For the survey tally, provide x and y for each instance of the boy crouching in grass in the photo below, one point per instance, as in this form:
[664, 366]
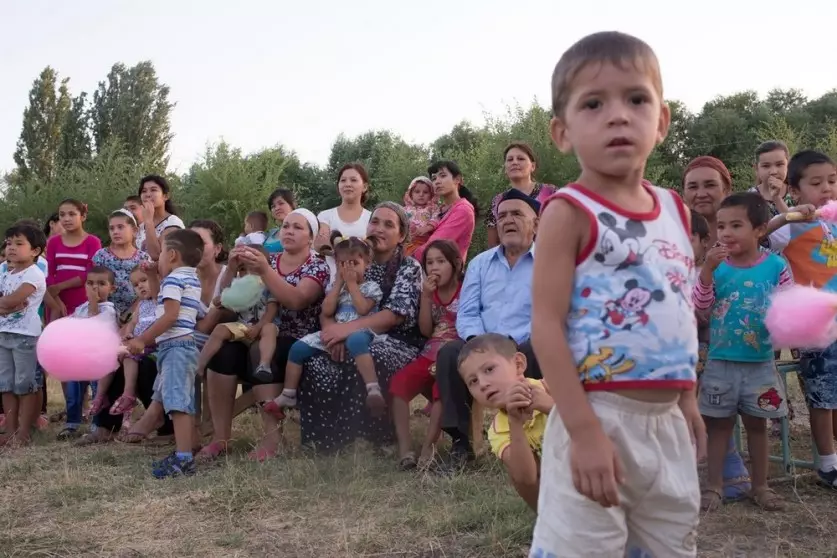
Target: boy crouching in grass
[492, 368]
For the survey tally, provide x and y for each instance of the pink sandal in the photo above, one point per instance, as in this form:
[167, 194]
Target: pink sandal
[96, 406]
[124, 404]
[212, 451]
[272, 409]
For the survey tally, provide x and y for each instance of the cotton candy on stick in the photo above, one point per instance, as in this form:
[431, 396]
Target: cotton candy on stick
[802, 317]
[244, 293]
[79, 349]
[828, 212]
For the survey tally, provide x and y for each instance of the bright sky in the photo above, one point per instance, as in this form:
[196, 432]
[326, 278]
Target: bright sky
[259, 73]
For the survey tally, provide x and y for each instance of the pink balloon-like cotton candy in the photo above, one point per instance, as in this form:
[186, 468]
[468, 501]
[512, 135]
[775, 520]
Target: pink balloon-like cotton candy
[79, 349]
[828, 212]
[802, 317]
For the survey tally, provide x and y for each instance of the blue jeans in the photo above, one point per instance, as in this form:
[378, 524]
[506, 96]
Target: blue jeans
[356, 344]
[74, 393]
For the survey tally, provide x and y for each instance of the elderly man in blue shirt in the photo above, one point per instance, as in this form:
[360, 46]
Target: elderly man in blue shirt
[496, 297]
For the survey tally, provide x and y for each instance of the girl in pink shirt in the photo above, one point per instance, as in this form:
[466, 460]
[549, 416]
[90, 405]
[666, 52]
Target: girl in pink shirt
[458, 212]
[70, 256]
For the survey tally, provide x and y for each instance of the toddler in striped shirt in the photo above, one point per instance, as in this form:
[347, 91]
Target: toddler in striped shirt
[178, 304]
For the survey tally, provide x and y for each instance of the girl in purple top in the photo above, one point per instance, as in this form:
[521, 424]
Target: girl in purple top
[520, 166]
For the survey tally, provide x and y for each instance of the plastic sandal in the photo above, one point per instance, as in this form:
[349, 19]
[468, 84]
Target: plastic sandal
[124, 404]
[273, 409]
[768, 500]
[408, 462]
[212, 451]
[711, 500]
[96, 406]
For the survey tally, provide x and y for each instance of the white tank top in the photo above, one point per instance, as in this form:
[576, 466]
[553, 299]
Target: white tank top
[631, 323]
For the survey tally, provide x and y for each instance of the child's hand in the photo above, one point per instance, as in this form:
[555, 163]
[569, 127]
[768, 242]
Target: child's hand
[807, 210]
[541, 401]
[60, 309]
[149, 266]
[135, 346]
[774, 186]
[54, 289]
[715, 256]
[431, 283]
[253, 331]
[425, 230]
[216, 302]
[350, 275]
[92, 293]
[596, 466]
[518, 401]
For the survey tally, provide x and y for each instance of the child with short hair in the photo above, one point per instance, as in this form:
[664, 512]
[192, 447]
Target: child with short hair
[143, 317]
[351, 298]
[810, 248]
[772, 172]
[437, 321]
[740, 376]
[22, 288]
[493, 370]
[177, 353]
[254, 226]
[619, 470]
[253, 324]
[422, 210]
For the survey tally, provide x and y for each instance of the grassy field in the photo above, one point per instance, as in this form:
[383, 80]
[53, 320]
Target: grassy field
[58, 500]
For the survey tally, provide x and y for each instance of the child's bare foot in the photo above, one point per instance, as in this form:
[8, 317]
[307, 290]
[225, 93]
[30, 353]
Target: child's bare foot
[375, 400]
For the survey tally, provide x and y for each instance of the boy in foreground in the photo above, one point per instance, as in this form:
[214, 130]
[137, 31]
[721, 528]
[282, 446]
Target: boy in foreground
[493, 368]
[613, 323]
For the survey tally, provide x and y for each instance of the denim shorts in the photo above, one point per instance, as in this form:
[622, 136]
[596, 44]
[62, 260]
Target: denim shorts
[19, 370]
[174, 387]
[818, 371]
[751, 388]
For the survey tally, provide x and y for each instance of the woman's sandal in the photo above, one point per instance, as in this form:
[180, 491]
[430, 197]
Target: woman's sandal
[408, 462]
[68, 434]
[124, 404]
[711, 500]
[767, 499]
[271, 408]
[212, 451]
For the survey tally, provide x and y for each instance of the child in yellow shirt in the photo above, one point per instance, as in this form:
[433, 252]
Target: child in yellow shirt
[492, 368]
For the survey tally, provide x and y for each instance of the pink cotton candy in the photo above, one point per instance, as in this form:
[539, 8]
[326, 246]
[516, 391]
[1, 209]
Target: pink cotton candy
[828, 212]
[802, 317]
[79, 349]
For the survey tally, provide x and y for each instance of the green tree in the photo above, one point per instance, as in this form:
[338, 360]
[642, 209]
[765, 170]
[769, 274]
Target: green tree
[133, 107]
[75, 134]
[36, 155]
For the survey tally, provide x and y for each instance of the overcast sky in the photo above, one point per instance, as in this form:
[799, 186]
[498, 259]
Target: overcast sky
[258, 73]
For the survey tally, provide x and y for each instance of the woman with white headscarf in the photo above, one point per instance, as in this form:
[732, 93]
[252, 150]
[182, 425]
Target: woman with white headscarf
[296, 278]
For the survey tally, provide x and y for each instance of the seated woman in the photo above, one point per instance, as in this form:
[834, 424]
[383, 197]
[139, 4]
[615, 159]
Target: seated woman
[332, 396]
[296, 278]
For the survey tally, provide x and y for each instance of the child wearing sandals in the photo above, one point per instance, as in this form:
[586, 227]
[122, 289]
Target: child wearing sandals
[740, 376]
[437, 320]
[253, 324]
[351, 298]
[144, 315]
[493, 370]
[178, 305]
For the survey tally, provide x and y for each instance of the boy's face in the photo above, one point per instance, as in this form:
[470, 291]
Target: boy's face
[136, 210]
[248, 227]
[100, 284]
[699, 246]
[19, 251]
[772, 163]
[169, 259]
[489, 375]
[736, 232]
[613, 119]
[818, 185]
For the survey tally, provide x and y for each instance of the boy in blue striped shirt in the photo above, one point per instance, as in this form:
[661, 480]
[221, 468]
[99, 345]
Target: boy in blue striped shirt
[178, 306]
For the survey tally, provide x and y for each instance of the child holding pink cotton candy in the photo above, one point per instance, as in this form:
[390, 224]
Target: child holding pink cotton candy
[422, 209]
[807, 238]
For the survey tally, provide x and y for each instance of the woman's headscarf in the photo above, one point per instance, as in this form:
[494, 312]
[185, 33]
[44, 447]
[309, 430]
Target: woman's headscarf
[394, 263]
[408, 200]
[310, 217]
[712, 163]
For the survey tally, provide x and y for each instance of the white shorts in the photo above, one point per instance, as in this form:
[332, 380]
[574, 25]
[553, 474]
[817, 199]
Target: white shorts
[660, 499]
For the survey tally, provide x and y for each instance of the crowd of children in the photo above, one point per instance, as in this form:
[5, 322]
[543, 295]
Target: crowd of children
[625, 274]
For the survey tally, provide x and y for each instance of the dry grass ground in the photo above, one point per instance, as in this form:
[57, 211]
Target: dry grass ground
[58, 500]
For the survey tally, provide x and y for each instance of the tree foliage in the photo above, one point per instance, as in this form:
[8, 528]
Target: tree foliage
[225, 184]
